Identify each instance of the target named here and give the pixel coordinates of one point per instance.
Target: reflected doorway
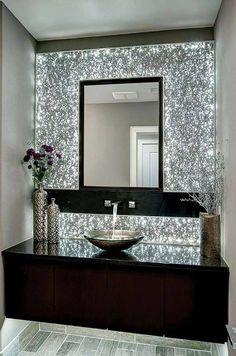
(144, 167)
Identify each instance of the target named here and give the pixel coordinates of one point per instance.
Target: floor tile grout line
(83, 337)
(53, 331)
(123, 348)
(93, 337)
(78, 351)
(132, 351)
(96, 354)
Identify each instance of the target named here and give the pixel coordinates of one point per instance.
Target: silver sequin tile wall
(189, 101)
(163, 230)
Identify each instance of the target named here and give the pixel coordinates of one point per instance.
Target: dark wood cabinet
(181, 301)
(81, 294)
(196, 304)
(180, 307)
(136, 300)
(29, 289)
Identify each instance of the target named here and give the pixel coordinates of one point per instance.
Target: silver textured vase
(41, 248)
(210, 235)
(53, 222)
(40, 214)
(53, 249)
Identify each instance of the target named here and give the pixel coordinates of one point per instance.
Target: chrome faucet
(115, 207)
(117, 202)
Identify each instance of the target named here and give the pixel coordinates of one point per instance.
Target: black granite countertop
(143, 254)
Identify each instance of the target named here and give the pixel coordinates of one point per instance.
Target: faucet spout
(115, 207)
(117, 202)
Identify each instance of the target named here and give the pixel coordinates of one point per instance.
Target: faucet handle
(107, 203)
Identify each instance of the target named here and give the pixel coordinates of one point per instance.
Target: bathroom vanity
(153, 101)
(152, 289)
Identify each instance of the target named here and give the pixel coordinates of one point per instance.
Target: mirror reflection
(121, 133)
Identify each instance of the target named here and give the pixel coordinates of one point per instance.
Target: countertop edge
(116, 262)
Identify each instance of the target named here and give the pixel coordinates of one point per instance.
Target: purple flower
(59, 155)
(26, 158)
(30, 152)
(37, 155)
(49, 149)
(50, 162)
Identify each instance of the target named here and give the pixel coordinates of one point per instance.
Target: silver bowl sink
(113, 240)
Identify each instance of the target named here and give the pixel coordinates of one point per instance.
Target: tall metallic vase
(210, 235)
(40, 214)
(53, 222)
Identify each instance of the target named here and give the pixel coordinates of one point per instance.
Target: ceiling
(57, 19)
(99, 94)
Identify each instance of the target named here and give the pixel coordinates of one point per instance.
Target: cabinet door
(196, 304)
(28, 289)
(80, 294)
(135, 299)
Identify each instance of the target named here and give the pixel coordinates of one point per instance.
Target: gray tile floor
(51, 343)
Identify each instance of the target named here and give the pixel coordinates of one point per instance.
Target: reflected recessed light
(125, 95)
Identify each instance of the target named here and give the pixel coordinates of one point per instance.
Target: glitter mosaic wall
(162, 230)
(189, 123)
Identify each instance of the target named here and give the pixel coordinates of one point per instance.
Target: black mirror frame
(81, 132)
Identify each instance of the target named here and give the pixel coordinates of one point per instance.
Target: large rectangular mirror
(121, 133)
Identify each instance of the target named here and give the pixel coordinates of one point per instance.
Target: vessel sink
(114, 239)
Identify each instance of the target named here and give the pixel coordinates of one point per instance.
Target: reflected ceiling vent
(125, 95)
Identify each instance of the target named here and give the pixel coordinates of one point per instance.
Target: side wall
(225, 32)
(17, 123)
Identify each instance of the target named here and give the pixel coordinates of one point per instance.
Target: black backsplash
(149, 203)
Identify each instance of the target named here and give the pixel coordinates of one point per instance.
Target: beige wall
(17, 122)
(225, 34)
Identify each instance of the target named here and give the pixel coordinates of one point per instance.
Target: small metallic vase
(53, 222)
(210, 235)
(40, 214)
(53, 249)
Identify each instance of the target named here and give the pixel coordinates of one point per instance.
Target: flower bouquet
(41, 164)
